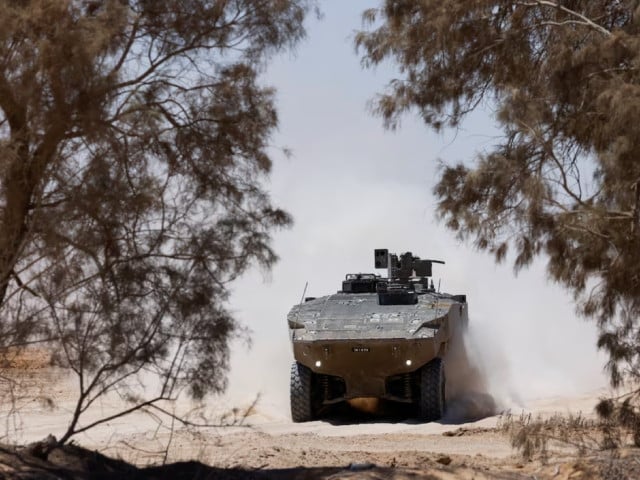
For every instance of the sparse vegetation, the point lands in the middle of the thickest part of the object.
(599, 447)
(534, 435)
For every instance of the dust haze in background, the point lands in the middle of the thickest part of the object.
(353, 187)
(494, 366)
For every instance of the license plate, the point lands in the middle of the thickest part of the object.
(360, 349)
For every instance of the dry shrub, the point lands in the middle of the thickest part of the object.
(535, 436)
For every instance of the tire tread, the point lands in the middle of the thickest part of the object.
(432, 398)
(300, 395)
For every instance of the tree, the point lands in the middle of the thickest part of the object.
(134, 142)
(564, 180)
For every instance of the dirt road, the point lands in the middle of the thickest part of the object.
(267, 440)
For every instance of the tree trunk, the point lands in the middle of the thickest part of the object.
(22, 182)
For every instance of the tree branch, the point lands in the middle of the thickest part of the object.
(583, 20)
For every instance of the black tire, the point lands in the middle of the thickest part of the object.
(301, 400)
(432, 391)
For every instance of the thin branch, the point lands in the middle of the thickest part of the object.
(583, 20)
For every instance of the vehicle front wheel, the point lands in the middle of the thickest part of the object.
(432, 390)
(301, 385)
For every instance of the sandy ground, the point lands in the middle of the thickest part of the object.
(42, 400)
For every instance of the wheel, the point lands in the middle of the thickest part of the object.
(432, 390)
(301, 400)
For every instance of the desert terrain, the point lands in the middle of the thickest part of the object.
(259, 440)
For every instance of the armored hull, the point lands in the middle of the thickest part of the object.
(358, 343)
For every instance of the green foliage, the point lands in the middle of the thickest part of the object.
(134, 141)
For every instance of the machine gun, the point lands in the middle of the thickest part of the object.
(407, 276)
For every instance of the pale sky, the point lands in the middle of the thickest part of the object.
(351, 187)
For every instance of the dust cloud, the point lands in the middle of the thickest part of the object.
(478, 377)
(492, 366)
(478, 381)
(500, 362)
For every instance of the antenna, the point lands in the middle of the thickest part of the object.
(439, 280)
(304, 292)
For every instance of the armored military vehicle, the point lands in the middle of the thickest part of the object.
(382, 337)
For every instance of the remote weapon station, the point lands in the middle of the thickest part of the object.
(377, 337)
